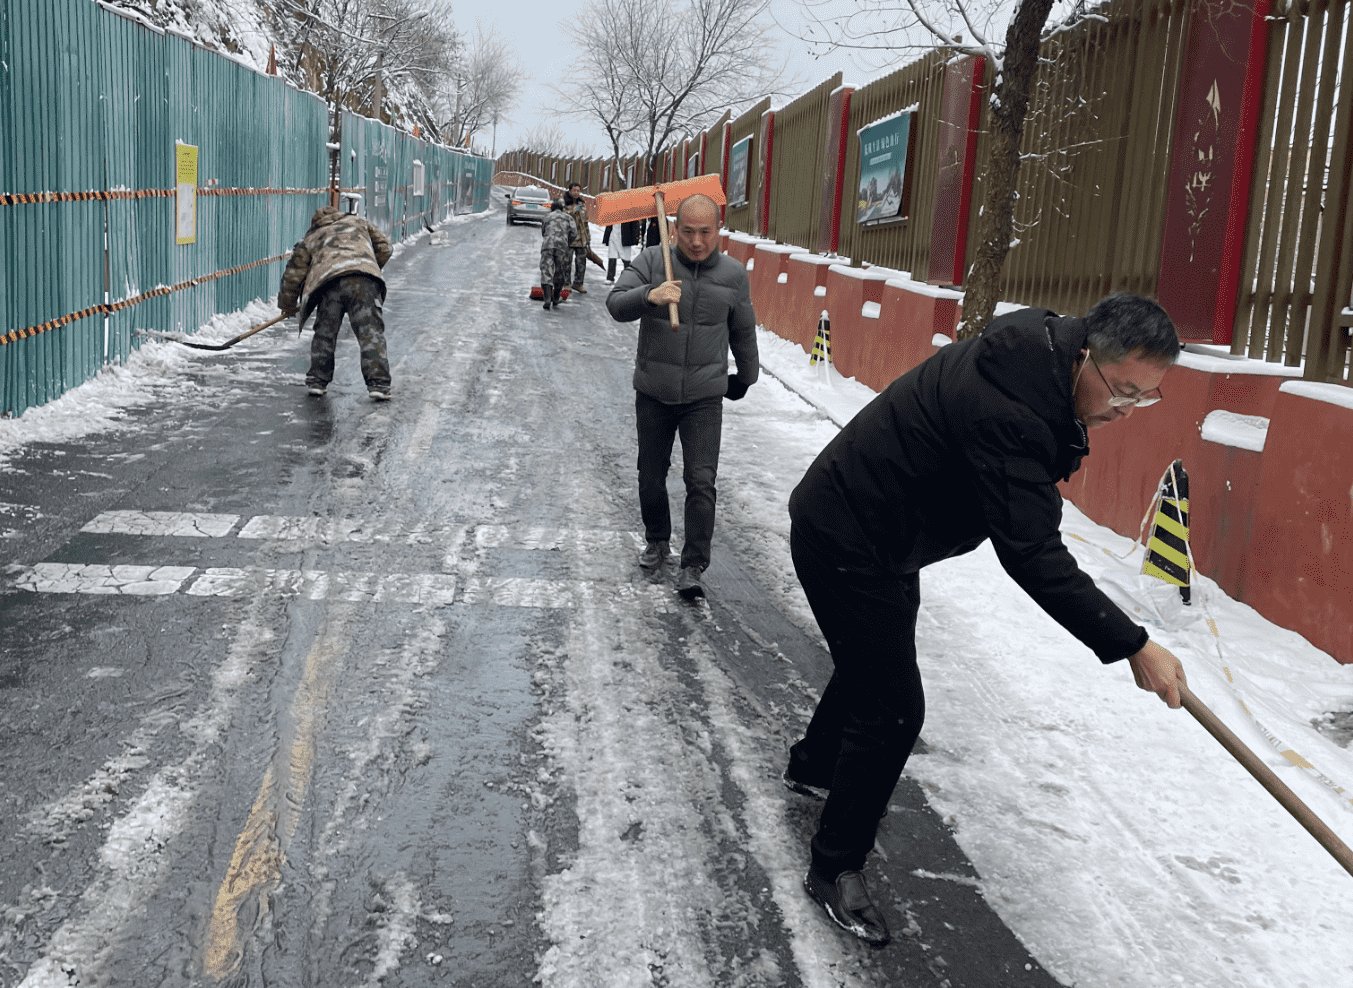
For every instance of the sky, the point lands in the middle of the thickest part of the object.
(1122, 845)
(545, 53)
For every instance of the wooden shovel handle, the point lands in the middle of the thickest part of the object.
(666, 253)
(1276, 787)
(259, 328)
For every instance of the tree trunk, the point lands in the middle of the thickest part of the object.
(1009, 106)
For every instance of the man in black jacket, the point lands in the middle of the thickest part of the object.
(966, 447)
(681, 377)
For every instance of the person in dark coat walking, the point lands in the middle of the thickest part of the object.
(966, 447)
(681, 378)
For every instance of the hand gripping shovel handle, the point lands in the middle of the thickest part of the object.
(666, 253)
(1276, 787)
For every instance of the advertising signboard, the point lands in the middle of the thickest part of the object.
(883, 165)
(738, 161)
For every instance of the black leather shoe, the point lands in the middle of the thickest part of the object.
(688, 583)
(847, 904)
(803, 788)
(654, 555)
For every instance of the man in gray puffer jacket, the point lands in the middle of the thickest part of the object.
(681, 376)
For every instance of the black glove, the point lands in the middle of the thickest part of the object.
(736, 389)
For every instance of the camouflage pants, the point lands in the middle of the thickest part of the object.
(579, 266)
(554, 262)
(359, 296)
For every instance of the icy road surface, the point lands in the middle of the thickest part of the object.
(317, 691)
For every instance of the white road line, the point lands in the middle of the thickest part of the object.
(163, 523)
(287, 528)
(409, 588)
(518, 592)
(418, 588)
(283, 528)
(136, 581)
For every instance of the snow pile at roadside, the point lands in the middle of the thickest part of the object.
(155, 371)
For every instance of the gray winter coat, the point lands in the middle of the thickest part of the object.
(715, 313)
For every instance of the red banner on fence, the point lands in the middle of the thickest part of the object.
(1220, 96)
(961, 105)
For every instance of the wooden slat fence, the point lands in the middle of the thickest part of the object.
(1295, 278)
(1094, 187)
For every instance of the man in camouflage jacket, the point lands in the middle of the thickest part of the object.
(576, 206)
(336, 269)
(555, 253)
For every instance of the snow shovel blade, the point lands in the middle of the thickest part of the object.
(212, 346)
(638, 204)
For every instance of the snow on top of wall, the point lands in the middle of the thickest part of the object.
(1219, 360)
(1233, 429)
(908, 284)
(807, 258)
(863, 274)
(1335, 394)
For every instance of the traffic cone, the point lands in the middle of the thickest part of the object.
(1167, 550)
(822, 342)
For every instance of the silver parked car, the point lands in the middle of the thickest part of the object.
(527, 204)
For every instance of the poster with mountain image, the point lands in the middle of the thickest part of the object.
(883, 162)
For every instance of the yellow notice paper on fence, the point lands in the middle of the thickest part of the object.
(185, 199)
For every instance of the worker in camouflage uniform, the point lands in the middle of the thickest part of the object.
(336, 269)
(555, 253)
(576, 206)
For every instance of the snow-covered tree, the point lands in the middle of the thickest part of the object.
(353, 52)
(970, 27)
(483, 84)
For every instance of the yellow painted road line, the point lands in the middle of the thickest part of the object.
(256, 866)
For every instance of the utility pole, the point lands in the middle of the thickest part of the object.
(494, 152)
(458, 123)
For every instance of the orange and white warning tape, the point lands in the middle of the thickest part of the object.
(1342, 792)
(107, 308)
(37, 198)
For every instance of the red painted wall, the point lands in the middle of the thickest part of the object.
(1301, 572)
(1274, 529)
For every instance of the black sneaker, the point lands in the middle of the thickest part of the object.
(654, 555)
(847, 904)
(688, 583)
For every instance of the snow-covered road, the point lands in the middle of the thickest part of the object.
(1116, 839)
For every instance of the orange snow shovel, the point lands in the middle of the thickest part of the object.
(655, 200)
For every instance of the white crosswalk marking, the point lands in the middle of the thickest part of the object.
(138, 581)
(455, 586)
(162, 523)
(418, 588)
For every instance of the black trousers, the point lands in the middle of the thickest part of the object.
(700, 424)
(871, 712)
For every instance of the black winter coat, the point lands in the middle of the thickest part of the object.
(969, 446)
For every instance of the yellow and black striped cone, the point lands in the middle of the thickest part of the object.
(822, 342)
(1167, 550)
